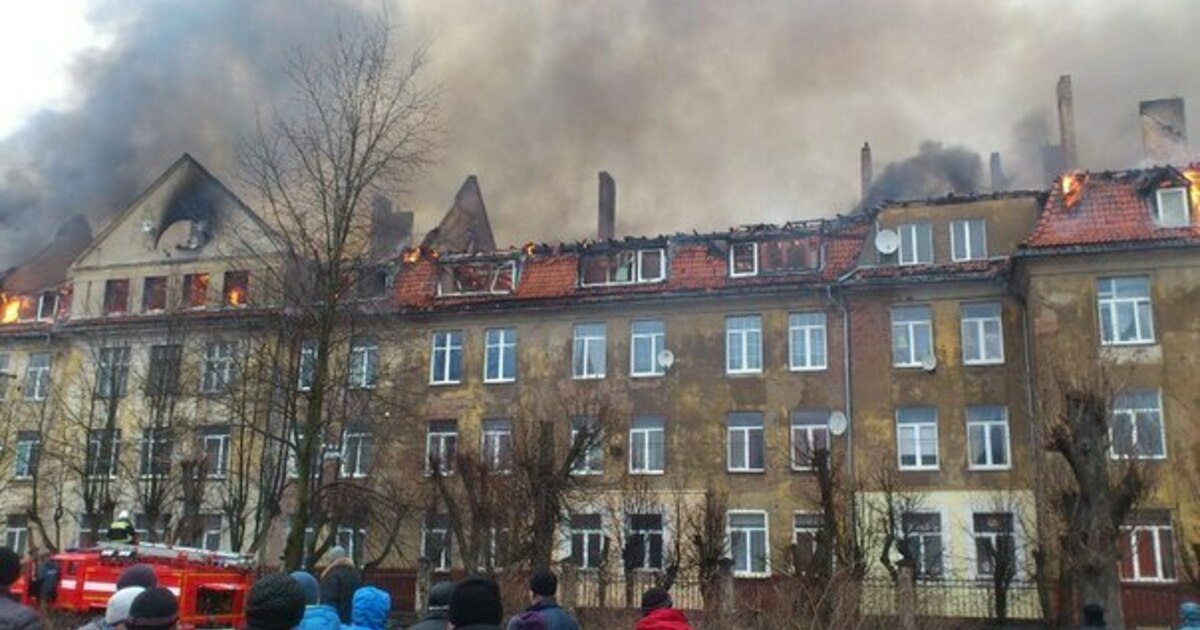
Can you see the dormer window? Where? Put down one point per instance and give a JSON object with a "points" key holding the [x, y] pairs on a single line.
{"points": [[116, 296], [1171, 207], [637, 266], [776, 256], [916, 243], [477, 278], [743, 260], [968, 240], [47, 306]]}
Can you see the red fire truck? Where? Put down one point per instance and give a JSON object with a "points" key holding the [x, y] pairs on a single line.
{"points": [[211, 586]]}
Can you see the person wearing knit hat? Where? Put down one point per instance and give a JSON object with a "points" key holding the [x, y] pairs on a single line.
{"points": [[439, 606], [476, 605], [153, 609], [658, 612], [543, 584], [339, 580], [137, 575], [119, 605], [14, 615], [317, 616], [275, 602]]}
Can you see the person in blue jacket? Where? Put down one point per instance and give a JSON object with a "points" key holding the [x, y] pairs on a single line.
{"points": [[369, 610], [317, 616], [1189, 615]]}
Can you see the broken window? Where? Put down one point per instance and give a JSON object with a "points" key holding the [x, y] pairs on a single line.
{"points": [[777, 256], [47, 306], [28, 309], [477, 278], [236, 284], [116, 296], [743, 259], [625, 267], [195, 290], [154, 294]]}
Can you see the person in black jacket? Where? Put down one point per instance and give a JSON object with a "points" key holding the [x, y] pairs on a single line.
{"points": [[439, 608], [476, 605], [338, 583], [14, 615]]}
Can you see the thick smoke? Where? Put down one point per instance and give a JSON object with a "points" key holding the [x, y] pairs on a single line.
{"points": [[708, 113], [933, 172]]}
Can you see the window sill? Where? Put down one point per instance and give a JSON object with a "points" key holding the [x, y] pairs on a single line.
{"points": [[648, 473], [444, 383], [588, 377], [744, 373], [752, 576], [1128, 344], [499, 381], [1141, 458], [815, 368], [989, 468], [360, 387], [745, 471], [920, 468], [646, 375], [591, 473], [907, 366], [987, 363]]}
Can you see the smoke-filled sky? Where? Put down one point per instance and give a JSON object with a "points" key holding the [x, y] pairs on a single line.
{"points": [[707, 113]]}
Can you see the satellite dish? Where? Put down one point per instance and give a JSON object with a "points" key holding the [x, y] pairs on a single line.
{"points": [[929, 362], [887, 242], [666, 358], [838, 423]]}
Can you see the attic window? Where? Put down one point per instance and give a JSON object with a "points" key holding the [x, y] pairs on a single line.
{"points": [[154, 294], [28, 310], [624, 267], [774, 257], [743, 260], [116, 296], [47, 306], [477, 278], [236, 285], [195, 290], [1171, 207]]}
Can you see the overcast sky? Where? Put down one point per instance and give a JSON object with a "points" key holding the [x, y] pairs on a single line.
{"points": [[707, 113]]}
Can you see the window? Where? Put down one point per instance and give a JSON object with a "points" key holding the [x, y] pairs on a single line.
{"points": [[806, 341], [743, 344], [500, 362], [218, 367], [102, 452], [647, 445], [26, 309], [917, 438], [116, 296], [968, 240], [209, 535], [195, 290], [317, 454], [644, 543], [994, 545], [912, 335], [496, 544], [5, 375], [364, 362], [647, 340], [356, 452], [806, 531], [916, 243], [982, 334], [37, 376], [435, 541], [587, 540], [987, 438], [16, 534], [743, 259], [237, 284], [112, 371], [446, 366], [1137, 427], [589, 352], [745, 437], [1125, 313], [155, 452], [586, 433], [624, 267], [163, 377], [1147, 546], [214, 443], [149, 530], [476, 278], [353, 540], [47, 306], [306, 371], [748, 543], [25, 459], [810, 437], [441, 447], [1171, 207], [923, 540], [497, 445], [154, 294]]}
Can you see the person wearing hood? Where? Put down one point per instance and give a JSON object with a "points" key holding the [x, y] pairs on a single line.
{"points": [[116, 614], [1189, 616], [317, 616], [659, 613], [438, 615], [370, 609], [339, 581]]}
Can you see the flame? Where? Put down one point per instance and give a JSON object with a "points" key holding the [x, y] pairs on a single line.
{"points": [[411, 255], [529, 249], [1193, 177], [1072, 187], [12, 309], [236, 297]]}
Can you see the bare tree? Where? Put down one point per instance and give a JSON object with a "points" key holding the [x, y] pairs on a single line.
{"points": [[708, 544], [895, 507]]}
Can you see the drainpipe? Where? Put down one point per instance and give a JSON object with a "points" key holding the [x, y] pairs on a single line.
{"points": [[840, 302]]}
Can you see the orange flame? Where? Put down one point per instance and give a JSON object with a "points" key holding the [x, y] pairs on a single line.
{"points": [[12, 310], [529, 249], [411, 256], [236, 297], [1072, 187], [1193, 177]]}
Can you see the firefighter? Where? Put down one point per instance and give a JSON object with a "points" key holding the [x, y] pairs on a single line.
{"points": [[121, 530]]}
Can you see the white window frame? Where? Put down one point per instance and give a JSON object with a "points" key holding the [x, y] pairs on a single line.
{"points": [[358, 441], [443, 562], [1108, 301], [941, 535], [657, 340], [748, 434], [748, 531], [646, 562], [908, 328], [976, 326], [210, 533], [910, 239], [802, 426], [994, 537], [1159, 561], [1124, 409], [306, 366], [363, 372], [112, 371], [218, 362], [642, 278], [42, 315], [1163, 221], [37, 377], [444, 442], [968, 228], [584, 349], [98, 442], [354, 540], [503, 342], [811, 530], [5, 374], [493, 438], [986, 425], [592, 462], [749, 328], [223, 440], [16, 537], [446, 343], [733, 247], [912, 431], [640, 440], [151, 441], [25, 455], [589, 535], [806, 335]]}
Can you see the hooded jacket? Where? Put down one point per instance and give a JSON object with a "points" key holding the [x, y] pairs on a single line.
{"points": [[437, 619], [1189, 616], [370, 610], [15, 615], [556, 618], [339, 581], [320, 617], [663, 619]]}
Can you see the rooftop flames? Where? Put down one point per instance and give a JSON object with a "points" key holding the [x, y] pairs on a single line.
{"points": [[1072, 187]]}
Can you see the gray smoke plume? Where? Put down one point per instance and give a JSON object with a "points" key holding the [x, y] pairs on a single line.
{"points": [[707, 113], [933, 172]]}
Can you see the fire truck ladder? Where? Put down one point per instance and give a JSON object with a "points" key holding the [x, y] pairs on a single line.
{"points": [[173, 553]]}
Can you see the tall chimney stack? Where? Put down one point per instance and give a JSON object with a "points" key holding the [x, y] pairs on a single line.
{"points": [[608, 207], [867, 172], [1066, 123], [998, 183], [1164, 131]]}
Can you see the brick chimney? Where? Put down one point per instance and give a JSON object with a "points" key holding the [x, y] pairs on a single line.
{"points": [[607, 207], [866, 170], [1164, 131], [1066, 123]]}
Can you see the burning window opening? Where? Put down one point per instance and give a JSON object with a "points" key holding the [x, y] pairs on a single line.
{"points": [[477, 278], [639, 266], [236, 284], [774, 257], [195, 290], [13, 306], [116, 296], [1171, 207], [154, 294], [743, 259], [47, 306], [1072, 187]]}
